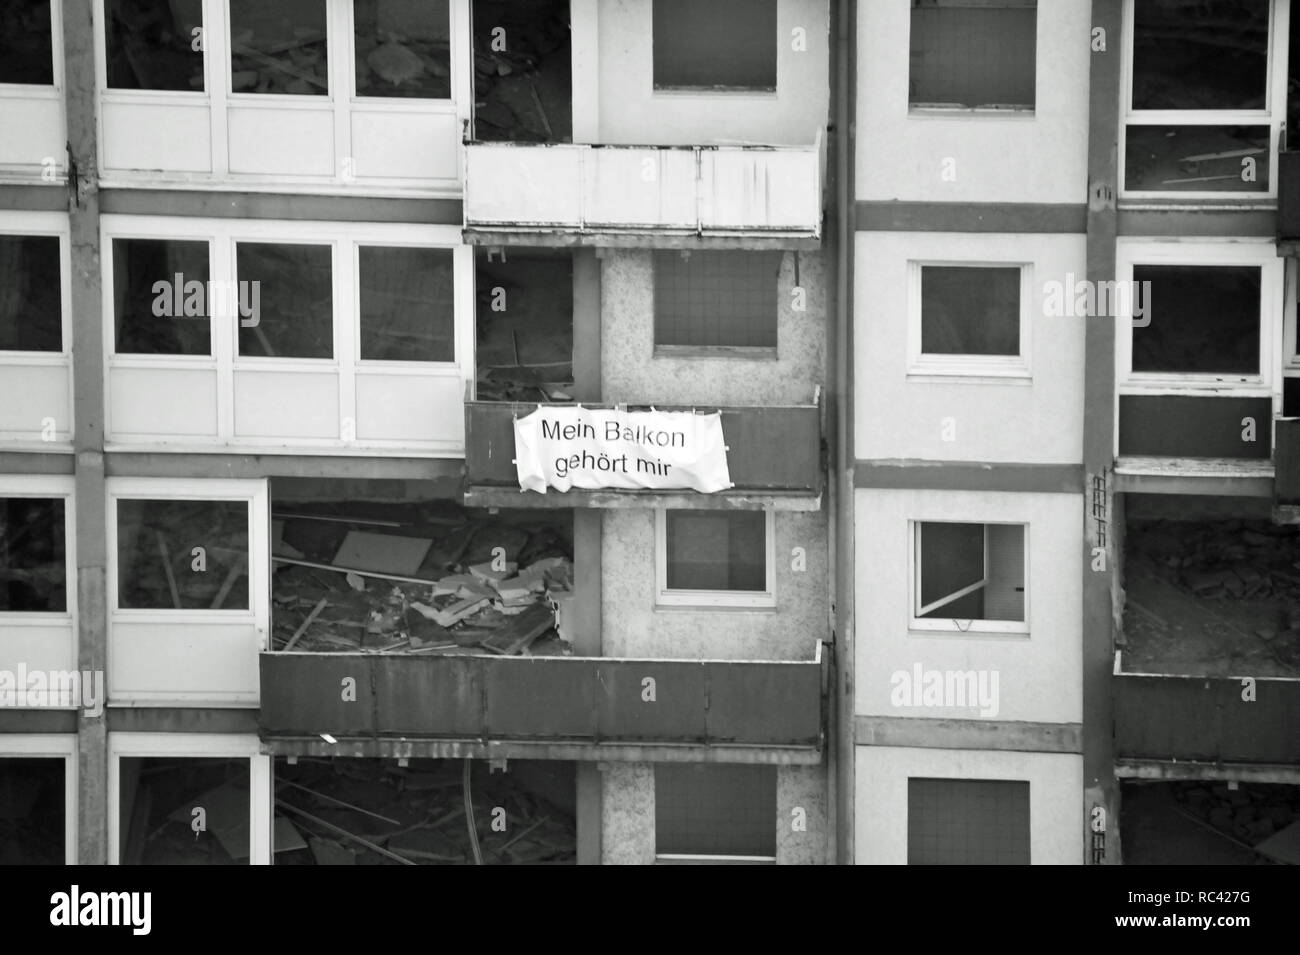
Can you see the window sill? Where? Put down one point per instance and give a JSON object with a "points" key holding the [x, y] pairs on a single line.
{"points": [[982, 628], [1014, 371], [742, 352], [915, 111], [697, 605], [765, 92]]}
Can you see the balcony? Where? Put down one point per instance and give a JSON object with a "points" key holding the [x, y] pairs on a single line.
{"points": [[1288, 202], [552, 707], [643, 196], [789, 480]]}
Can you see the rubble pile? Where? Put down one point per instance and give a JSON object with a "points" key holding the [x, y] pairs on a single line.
{"points": [[1262, 817]]}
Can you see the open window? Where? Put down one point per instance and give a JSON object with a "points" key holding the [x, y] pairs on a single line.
{"points": [[1204, 98], [973, 54], [969, 576], [715, 813], [715, 558], [969, 319], [721, 46], [716, 303]]}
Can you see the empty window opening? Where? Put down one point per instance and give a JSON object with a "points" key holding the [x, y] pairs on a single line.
{"points": [[407, 304], [523, 71], [279, 48], [973, 54], [524, 322], [1209, 822], [26, 43], [402, 49], [183, 811], [715, 809], [722, 45], [716, 299], [154, 46], [182, 555], [967, 822], [161, 300], [33, 561], [33, 807], [291, 291], [969, 310], [970, 572], [1201, 320], [31, 293]]}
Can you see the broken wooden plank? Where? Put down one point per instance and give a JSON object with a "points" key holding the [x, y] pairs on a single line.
{"points": [[337, 802], [520, 631], [302, 627], [316, 820], [353, 570], [458, 611]]}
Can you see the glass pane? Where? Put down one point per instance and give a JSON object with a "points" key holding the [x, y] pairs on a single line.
{"points": [[723, 44], [161, 297], [155, 44], [1203, 319], [291, 287], [278, 47], [33, 804], [402, 48], [407, 304], [31, 293], [1197, 158], [952, 559], [970, 311], [26, 42], [1212, 54], [162, 799], [708, 550], [969, 56], [183, 555], [33, 566]]}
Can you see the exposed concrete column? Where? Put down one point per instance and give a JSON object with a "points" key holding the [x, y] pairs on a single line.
{"points": [[1099, 513], [584, 37]]}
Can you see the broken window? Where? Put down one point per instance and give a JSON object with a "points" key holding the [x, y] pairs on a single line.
{"points": [[970, 572], [716, 299], [182, 555], [967, 822], [407, 304], [402, 49], [161, 297], [154, 45], [1201, 319], [523, 71], [970, 54], [26, 43], [33, 807], [183, 811], [715, 809], [33, 565], [716, 557], [293, 288], [279, 47], [970, 310], [721, 45], [31, 293]]}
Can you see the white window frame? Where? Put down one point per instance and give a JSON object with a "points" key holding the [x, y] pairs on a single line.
{"points": [[49, 486], [714, 599], [922, 364], [1208, 252], [52, 746], [921, 111], [1274, 116], [54, 91], [196, 746], [960, 624], [344, 238]]}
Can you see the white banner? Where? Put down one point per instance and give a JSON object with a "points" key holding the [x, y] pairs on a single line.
{"points": [[568, 446]]}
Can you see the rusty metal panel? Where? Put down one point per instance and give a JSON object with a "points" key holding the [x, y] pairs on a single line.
{"points": [[769, 703], [676, 714], [1286, 461], [429, 696], [302, 694], [540, 697], [1188, 426]]}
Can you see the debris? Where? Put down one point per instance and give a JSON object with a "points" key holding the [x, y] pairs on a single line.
{"points": [[1283, 846], [521, 631], [302, 627], [342, 832], [382, 553]]}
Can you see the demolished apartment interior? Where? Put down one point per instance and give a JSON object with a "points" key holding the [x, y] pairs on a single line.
{"points": [[1211, 588], [524, 322], [523, 71], [1209, 822], [345, 811]]}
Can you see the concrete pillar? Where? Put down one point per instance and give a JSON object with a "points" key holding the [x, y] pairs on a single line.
{"points": [[584, 34]]}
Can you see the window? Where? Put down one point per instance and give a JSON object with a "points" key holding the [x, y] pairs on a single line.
{"points": [[182, 555], [1203, 108], [33, 810], [155, 810], [716, 558], [26, 43], [279, 48], [402, 49], [154, 46], [722, 45], [719, 811], [1202, 320], [967, 822], [161, 297], [722, 300], [969, 577], [33, 561], [969, 319], [292, 288], [407, 304], [31, 293], [973, 54]]}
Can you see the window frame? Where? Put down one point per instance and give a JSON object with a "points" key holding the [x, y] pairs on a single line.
{"points": [[949, 110], [730, 92], [951, 624], [48, 486], [61, 746], [1274, 116], [714, 599], [748, 352], [52, 91], [921, 364]]}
